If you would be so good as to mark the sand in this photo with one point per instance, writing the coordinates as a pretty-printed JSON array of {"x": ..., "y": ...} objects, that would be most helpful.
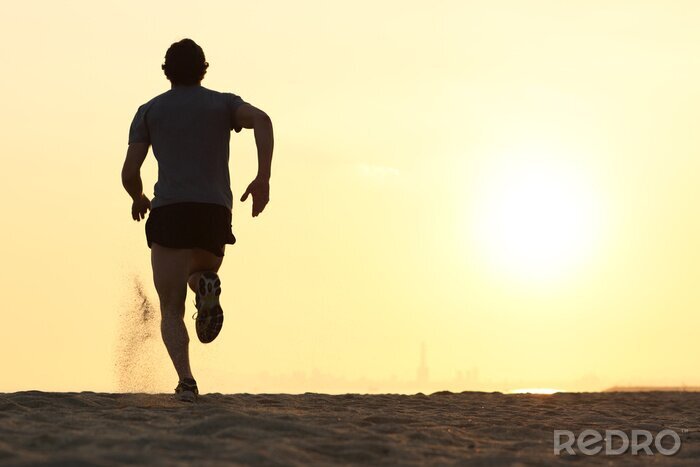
[{"x": 468, "y": 428}]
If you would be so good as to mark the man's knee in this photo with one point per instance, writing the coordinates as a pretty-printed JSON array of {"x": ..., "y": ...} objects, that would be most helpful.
[
  {"x": 170, "y": 275},
  {"x": 172, "y": 302},
  {"x": 171, "y": 292}
]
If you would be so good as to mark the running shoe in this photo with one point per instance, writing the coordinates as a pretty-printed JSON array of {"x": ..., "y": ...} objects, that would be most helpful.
[
  {"x": 186, "y": 390},
  {"x": 209, "y": 316}
]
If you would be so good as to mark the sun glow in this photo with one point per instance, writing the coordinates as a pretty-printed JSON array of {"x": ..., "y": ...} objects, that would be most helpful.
[{"x": 536, "y": 220}]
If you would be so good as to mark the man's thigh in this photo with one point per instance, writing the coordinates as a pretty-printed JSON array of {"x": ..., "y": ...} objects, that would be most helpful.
[
  {"x": 170, "y": 272},
  {"x": 203, "y": 260}
]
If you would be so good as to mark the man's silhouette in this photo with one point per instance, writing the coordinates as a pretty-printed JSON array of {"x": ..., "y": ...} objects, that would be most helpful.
[{"x": 189, "y": 129}]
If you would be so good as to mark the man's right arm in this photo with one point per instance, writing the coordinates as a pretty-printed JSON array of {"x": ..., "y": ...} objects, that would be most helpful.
[{"x": 248, "y": 116}]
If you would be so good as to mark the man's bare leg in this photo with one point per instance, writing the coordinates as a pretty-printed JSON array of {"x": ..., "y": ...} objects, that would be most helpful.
[
  {"x": 170, "y": 273},
  {"x": 206, "y": 284},
  {"x": 201, "y": 261}
]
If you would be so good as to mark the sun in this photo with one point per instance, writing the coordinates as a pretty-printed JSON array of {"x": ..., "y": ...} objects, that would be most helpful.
[{"x": 536, "y": 220}]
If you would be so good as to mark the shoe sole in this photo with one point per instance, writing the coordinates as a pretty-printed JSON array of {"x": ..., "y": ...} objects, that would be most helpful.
[
  {"x": 210, "y": 316},
  {"x": 186, "y": 396}
]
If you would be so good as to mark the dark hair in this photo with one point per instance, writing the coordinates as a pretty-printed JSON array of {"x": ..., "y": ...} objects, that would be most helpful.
[{"x": 185, "y": 63}]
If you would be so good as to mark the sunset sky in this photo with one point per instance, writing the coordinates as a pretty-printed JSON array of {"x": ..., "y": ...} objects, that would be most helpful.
[{"x": 513, "y": 184}]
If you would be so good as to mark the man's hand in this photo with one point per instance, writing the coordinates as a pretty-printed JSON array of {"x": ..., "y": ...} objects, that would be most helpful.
[
  {"x": 248, "y": 116},
  {"x": 139, "y": 208},
  {"x": 260, "y": 190}
]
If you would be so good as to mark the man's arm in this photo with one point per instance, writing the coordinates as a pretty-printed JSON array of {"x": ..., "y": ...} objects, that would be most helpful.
[
  {"x": 251, "y": 117},
  {"x": 131, "y": 171},
  {"x": 131, "y": 179}
]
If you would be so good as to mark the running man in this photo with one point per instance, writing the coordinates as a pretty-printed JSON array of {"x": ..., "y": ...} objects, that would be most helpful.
[{"x": 189, "y": 224}]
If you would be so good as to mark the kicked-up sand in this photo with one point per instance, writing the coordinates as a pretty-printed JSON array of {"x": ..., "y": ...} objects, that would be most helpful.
[{"x": 469, "y": 428}]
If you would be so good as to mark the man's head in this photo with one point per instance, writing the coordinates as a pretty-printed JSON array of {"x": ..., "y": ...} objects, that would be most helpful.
[{"x": 185, "y": 63}]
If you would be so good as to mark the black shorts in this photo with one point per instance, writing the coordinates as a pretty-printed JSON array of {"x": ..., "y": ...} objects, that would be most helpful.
[{"x": 191, "y": 225}]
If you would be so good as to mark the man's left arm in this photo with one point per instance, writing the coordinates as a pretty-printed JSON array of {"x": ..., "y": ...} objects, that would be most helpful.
[{"x": 131, "y": 179}]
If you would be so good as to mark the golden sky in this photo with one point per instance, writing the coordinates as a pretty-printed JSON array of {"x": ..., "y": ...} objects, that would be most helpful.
[{"x": 512, "y": 183}]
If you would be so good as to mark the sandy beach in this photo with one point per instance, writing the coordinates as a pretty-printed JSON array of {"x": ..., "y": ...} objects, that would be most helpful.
[{"x": 471, "y": 428}]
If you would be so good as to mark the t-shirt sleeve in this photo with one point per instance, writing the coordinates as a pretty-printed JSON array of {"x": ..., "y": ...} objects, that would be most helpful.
[
  {"x": 233, "y": 102},
  {"x": 138, "y": 132}
]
